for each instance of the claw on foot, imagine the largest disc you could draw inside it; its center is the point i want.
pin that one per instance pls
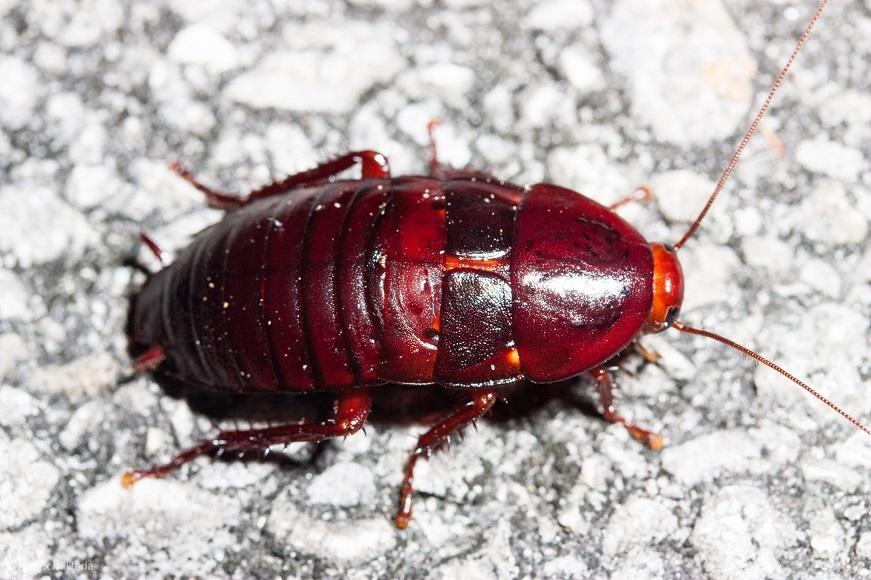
(653, 440)
(130, 478)
(402, 520)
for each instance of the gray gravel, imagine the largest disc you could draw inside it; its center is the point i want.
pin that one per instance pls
(757, 479)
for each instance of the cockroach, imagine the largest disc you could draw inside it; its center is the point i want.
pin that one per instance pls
(314, 284)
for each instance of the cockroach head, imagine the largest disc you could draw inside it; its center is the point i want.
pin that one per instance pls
(667, 289)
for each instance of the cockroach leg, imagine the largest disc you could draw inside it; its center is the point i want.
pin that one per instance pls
(162, 255)
(434, 165)
(215, 199)
(606, 397)
(149, 360)
(374, 165)
(642, 193)
(650, 356)
(480, 402)
(352, 409)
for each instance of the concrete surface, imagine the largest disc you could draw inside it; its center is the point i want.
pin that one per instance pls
(757, 479)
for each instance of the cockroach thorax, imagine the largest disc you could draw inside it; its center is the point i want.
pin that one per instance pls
(667, 289)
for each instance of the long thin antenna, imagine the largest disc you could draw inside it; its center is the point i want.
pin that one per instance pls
(690, 330)
(754, 125)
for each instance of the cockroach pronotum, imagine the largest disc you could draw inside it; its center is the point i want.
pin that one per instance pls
(313, 284)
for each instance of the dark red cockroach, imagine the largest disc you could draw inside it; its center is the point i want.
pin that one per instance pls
(313, 284)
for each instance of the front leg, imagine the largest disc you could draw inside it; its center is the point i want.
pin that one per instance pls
(480, 401)
(606, 397)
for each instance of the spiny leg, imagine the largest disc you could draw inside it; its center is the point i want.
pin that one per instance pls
(374, 166)
(479, 403)
(642, 193)
(352, 409)
(650, 356)
(164, 257)
(606, 398)
(149, 360)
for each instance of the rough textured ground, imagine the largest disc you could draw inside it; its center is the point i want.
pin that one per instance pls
(757, 480)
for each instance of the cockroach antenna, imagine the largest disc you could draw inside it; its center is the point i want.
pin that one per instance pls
(759, 358)
(733, 161)
(727, 172)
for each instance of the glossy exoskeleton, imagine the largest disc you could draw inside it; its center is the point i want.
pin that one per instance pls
(456, 278)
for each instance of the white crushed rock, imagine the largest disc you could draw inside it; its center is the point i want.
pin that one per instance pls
(26, 482)
(830, 158)
(13, 350)
(578, 65)
(17, 406)
(348, 542)
(639, 563)
(190, 527)
(85, 23)
(767, 252)
(639, 521)
(828, 215)
(689, 72)
(588, 170)
(863, 546)
(343, 484)
(84, 422)
(14, 297)
(849, 107)
(832, 472)
(66, 115)
(826, 534)
(29, 238)
(25, 552)
(822, 277)
(89, 146)
(88, 186)
(566, 567)
(469, 568)
(85, 377)
(200, 44)
(331, 66)
(19, 91)
(290, 149)
(445, 81)
(709, 275)
(740, 535)
(681, 194)
(731, 451)
(557, 14)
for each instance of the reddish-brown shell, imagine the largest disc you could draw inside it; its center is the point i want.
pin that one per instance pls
(582, 283)
(467, 282)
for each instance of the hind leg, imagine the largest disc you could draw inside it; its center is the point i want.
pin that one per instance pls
(352, 409)
(374, 166)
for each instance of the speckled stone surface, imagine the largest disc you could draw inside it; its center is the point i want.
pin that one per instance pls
(757, 480)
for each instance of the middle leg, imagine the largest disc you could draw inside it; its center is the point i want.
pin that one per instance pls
(479, 403)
